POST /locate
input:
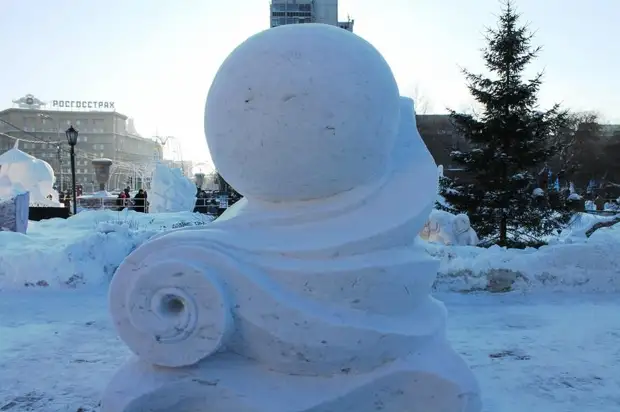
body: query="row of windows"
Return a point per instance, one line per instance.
(282, 21)
(291, 7)
(42, 145)
(53, 129)
(291, 14)
(67, 172)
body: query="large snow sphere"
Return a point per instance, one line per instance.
(302, 112)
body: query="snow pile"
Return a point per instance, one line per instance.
(578, 226)
(171, 191)
(84, 249)
(87, 248)
(20, 172)
(592, 265)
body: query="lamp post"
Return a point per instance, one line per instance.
(72, 137)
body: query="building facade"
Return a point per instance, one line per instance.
(102, 134)
(284, 12)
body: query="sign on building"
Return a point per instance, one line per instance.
(83, 104)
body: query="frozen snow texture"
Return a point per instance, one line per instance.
(311, 304)
(171, 191)
(448, 229)
(277, 109)
(576, 263)
(20, 172)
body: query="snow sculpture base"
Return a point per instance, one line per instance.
(298, 298)
(231, 383)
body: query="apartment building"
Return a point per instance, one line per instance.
(102, 134)
(306, 11)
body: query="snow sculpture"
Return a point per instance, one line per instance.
(22, 172)
(448, 229)
(171, 191)
(297, 298)
(14, 213)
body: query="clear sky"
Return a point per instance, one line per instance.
(156, 58)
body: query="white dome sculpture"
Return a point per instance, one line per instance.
(290, 126)
(23, 171)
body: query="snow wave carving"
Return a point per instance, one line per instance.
(297, 299)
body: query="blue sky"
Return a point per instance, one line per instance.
(156, 58)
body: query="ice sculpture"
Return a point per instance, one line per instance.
(298, 298)
(24, 173)
(171, 191)
(448, 229)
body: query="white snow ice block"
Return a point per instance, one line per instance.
(298, 298)
(171, 191)
(14, 213)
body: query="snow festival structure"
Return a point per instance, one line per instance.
(297, 298)
(20, 172)
(171, 191)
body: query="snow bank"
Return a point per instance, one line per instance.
(87, 248)
(592, 265)
(579, 225)
(84, 249)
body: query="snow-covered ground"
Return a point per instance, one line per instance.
(552, 353)
(551, 345)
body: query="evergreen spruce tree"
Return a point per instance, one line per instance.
(510, 140)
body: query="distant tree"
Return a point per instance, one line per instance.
(611, 160)
(580, 152)
(509, 139)
(421, 102)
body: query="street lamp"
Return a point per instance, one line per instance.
(72, 137)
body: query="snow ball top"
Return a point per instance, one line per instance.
(302, 112)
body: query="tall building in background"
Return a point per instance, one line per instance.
(307, 11)
(104, 133)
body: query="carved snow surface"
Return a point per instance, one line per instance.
(297, 300)
(20, 172)
(171, 191)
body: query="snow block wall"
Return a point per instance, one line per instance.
(299, 299)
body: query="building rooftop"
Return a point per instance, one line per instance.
(52, 112)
